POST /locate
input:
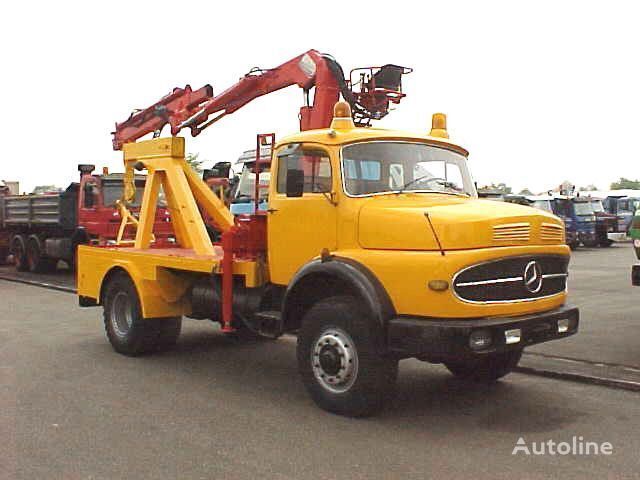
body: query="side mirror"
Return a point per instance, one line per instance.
(295, 183)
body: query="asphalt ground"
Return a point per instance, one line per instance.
(219, 408)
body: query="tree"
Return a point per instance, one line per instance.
(625, 183)
(589, 188)
(525, 191)
(192, 160)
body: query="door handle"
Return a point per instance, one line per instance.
(272, 210)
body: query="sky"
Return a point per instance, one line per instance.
(538, 92)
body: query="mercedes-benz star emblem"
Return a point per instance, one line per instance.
(532, 277)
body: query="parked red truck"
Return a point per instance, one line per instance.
(42, 229)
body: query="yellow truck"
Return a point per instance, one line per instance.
(374, 248)
(377, 249)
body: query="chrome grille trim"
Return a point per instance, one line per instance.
(553, 262)
(490, 282)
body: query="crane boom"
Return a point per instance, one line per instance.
(187, 108)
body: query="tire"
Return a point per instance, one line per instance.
(606, 243)
(19, 250)
(36, 260)
(485, 369)
(337, 330)
(4, 253)
(128, 332)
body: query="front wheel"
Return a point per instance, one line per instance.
(488, 368)
(338, 360)
(128, 332)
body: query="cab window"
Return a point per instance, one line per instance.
(314, 163)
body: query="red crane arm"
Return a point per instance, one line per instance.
(306, 71)
(186, 108)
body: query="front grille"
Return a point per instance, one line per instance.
(511, 232)
(551, 233)
(509, 279)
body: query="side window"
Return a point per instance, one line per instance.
(314, 163)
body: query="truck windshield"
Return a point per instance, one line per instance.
(626, 205)
(387, 167)
(597, 206)
(542, 205)
(112, 191)
(583, 208)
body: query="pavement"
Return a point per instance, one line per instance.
(219, 408)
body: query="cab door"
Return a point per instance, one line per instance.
(300, 227)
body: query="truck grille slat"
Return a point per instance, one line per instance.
(512, 232)
(551, 233)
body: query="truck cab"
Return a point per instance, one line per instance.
(579, 219)
(97, 213)
(623, 205)
(606, 223)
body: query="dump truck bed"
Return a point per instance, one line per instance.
(55, 210)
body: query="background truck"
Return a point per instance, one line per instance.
(374, 247)
(606, 223)
(5, 237)
(623, 205)
(579, 220)
(45, 228)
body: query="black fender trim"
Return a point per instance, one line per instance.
(360, 280)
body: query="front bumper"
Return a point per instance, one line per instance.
(439, 339)
(617, 236)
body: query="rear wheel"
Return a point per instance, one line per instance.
(37, 261)
(128, 332)
(487, 368)
(606, 243)
(338, 359)
(19, 250)
(4, 253)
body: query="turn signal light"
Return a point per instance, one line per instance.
(438, 285)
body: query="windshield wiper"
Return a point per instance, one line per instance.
(444, 183)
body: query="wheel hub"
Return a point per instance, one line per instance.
(334, 360)
(121, 315)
